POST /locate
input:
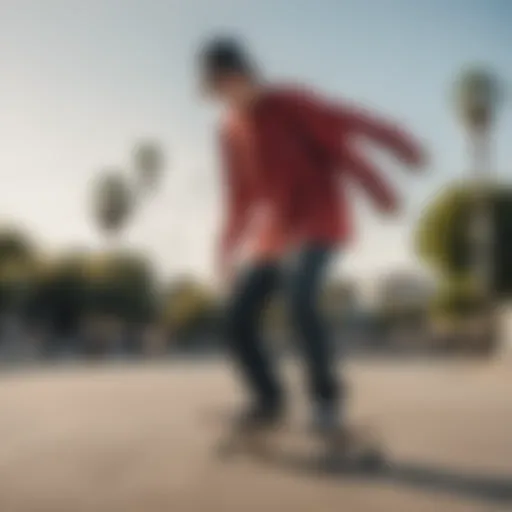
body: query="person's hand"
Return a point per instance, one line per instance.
(416, 159)
(391, 209)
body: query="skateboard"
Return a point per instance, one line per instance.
(352, 450)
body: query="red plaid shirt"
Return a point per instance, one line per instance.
(293, 153)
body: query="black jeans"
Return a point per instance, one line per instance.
(301, 279)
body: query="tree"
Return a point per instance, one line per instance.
(149, 163)
(122, 285)
(443, 238)
(60, 294)
(15, 245)
(116, 195)
(444, 241)
(188, 309)
(18, 259)
(113, 202)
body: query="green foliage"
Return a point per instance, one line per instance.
(60, 293)
(14, 245)
(436, 228)
(17, 264)
(79, 285)
(457, 299)
(122, 285)
(187, 307)
(149, 163)
(113, 201)
(443, 234)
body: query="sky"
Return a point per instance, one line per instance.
(80, 82)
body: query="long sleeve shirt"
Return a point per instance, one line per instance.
(292, 154)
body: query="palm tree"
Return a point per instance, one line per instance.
(148, 166)
(125, 290)
(113, 203)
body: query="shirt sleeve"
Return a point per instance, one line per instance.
(235, 201)
(370, 178)
(389, 135)
(329, 122)
(334, 127)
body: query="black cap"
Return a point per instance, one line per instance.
(223, 55)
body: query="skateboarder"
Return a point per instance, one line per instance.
(288, 154)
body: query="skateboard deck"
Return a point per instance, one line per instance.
(288, 444)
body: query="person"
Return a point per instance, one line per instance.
(288, 154)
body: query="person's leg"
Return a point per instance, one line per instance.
(305, 278)
(251, 292)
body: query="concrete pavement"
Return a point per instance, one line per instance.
(139, 439)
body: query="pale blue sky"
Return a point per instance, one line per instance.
(81, 80)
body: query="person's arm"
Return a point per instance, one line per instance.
(370, 178)
(335, 127)
(389, 135)
(330, 121)
(235, 203)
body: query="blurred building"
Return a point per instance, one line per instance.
(340, 298)
(404, 290)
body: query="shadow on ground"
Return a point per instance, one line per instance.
(489, 488)
(496, 489)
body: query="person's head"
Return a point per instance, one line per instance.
(228, 74)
